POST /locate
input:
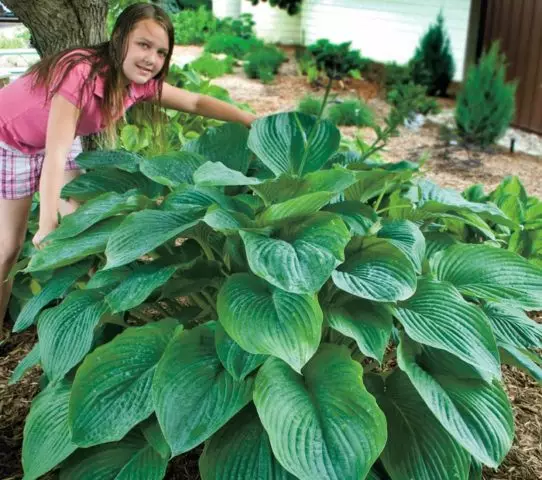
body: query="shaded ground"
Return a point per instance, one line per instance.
(448, 165)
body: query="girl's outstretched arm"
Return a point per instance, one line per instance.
(179, 99)
(61, 127)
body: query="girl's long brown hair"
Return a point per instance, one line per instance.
(106, 59)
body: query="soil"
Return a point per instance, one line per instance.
(448, 165)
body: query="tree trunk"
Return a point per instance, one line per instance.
(59, 24)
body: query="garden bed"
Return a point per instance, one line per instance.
(448, 165)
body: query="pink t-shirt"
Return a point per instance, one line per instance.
(24, 111)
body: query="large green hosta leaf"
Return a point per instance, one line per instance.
(47, 439)
(226, 144)
(372, 183)
(142, 232)
(241, 450)
(62, 280)
(112, 390)
(490, 273)
(120, 159)
(324, 423)
(379, 272)
(281, 142)
(303, 256)
(418, 446)
(477, 414)
(236, 361)
(31, 359)
(142, 281)
(438, 316)
(147, 464)
(408, 238)
(66, 332)
(368, 323)
(434, 198)
(102, 207)
(97, 182)
(287, 187)
(71, 250)
(523, 359)
(193, 395)
(191, 196)
(512, 326)
(104, 462)
(358, 217)
(215, 174)
(267, 320)
(172, 169)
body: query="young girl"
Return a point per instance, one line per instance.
(80, 92)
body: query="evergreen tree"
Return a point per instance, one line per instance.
(433, 64)
(486, 103)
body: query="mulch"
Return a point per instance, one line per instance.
(448, 165)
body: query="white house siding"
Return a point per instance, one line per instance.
(273, 24)
(226, 8)
(386, 30)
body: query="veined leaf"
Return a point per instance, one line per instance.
(31, 359)
(138, 286)
(266, 320)
(112, 390)
(172, 169)
(477, 414)
(438, 316)
(216, 174)
(490, 273)
(287, 187)
(193, 395)
(147, 464)
(523, 359)
(408, 238)
(418, 446)
(296, 207)
(226, 143)
(142, 232)
(121, 159)
(47, 439)
(236, 361)
(368, 323)
(71, 250)
(358, 217)
(303, 256)
(97, 182)
(66, 332)
(98, 209)
(59, 284)
(379, 272)
(512, 326)
(324, 423)
(281, 142)
(241, 450)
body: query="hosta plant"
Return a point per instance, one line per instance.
(298, 311)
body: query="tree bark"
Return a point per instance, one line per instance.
(59, 24)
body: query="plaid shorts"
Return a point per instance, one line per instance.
(20, 172)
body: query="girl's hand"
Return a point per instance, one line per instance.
(43, 231)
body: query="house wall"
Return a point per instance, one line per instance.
(386, 30)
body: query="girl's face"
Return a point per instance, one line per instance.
(147, 52)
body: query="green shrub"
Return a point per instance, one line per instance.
(310, 105)
(194, 27)
(486, 102)
(290, 6)
(433, 62)
(212, 67)
(264, 62)
(231, 45)
(410, 98)
(350, 112)
(242, 27)
(396, 74)
(337, 61)
(306, 301)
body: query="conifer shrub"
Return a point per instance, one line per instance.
(433, 63)
(486, 103)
